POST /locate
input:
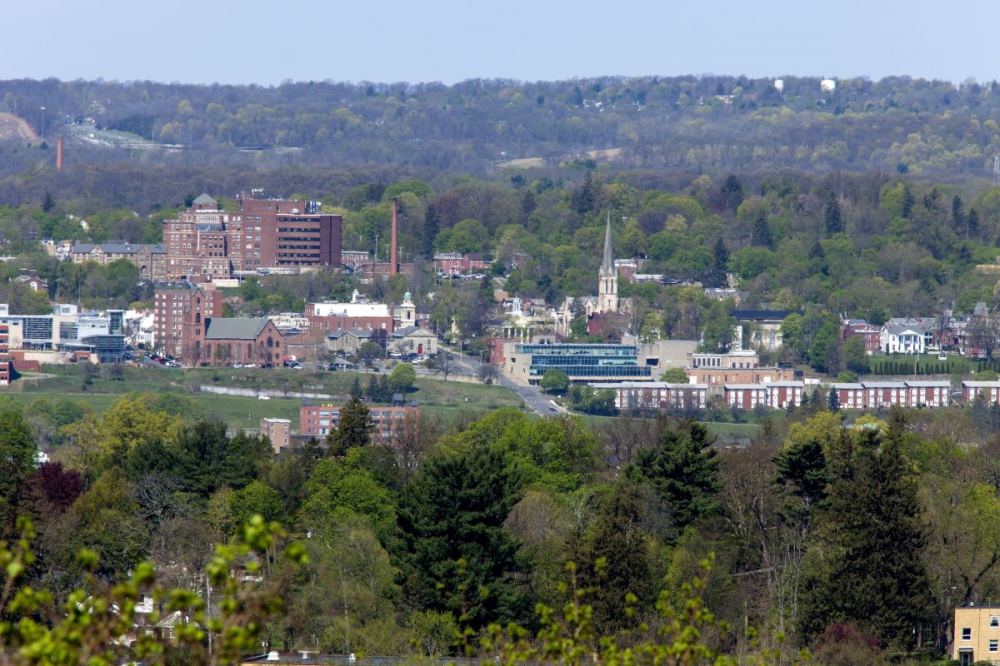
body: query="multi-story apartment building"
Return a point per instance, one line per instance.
(180, 311)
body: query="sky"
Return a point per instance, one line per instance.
(388, 41)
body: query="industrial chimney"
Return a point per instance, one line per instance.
(393, 258)
(59, 154)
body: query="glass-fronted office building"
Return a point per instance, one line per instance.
(592, 362)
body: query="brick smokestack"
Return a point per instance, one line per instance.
(393, 258)
(59, 154)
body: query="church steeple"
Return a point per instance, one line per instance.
(607, 277)
(608, 263)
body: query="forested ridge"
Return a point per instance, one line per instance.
(701, 123)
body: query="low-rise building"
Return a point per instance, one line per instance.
(526, 363)
(413, 340)
(320, 419)
(279, 431)
(656, 396)
(977, 634)
(230, 341)
(988, 392)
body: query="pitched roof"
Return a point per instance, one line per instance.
(204, 199)
(218, 328)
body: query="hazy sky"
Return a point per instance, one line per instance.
(266, 42)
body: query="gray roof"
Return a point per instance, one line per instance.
(117, 248)
(205, 199)
(217, 328)
(407, 330)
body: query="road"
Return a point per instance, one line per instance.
(532, 396)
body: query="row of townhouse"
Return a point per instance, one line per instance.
(875, 395)
(772, 395)
(653, 396)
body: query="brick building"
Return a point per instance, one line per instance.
(206, 243)
(179, 313)
(151, 260)
(319, 419)
(327, 317)
(231, 341)
(655, 396)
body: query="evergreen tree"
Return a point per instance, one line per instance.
(908, 201)
(958, 216)
(355, 428)
(720, 264)
(372, 392)
(831, 215)
(732, 192)
(454, 552)
(356, 389)
(833, 401)
(802, 473)
(619, 540)
(584, 199)
(684, 471)
(762, 232)
(972, 222)
(872, 572)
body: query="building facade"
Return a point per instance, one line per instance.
(279, 431)
(151, 260)
(230, 341)
(527, 363)
(977, 635)
(656, 396)
(320, 419)
(206, 243)
(180, 311)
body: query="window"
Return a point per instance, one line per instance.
(994, 645)
(966, 633)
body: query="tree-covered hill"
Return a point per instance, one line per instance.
(689, 123)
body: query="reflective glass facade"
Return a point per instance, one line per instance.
(585, 360)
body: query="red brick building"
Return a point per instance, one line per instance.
(205, 242)
(318, 420)
(232, 341)
(326, 317)
(180, 311)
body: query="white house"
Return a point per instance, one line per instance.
(904, 336)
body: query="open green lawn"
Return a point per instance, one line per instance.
(446, 400)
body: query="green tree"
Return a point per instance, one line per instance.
(718, 328)
(855, 355)
(554, 381)
(872, 572)
(683, 469)
(403, 378)
(355, 428)
(455, 552)
(613, 559)
(675, 376)
(803, 479)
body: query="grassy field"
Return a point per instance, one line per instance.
(445, 400)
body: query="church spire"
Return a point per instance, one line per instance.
(608, 264)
